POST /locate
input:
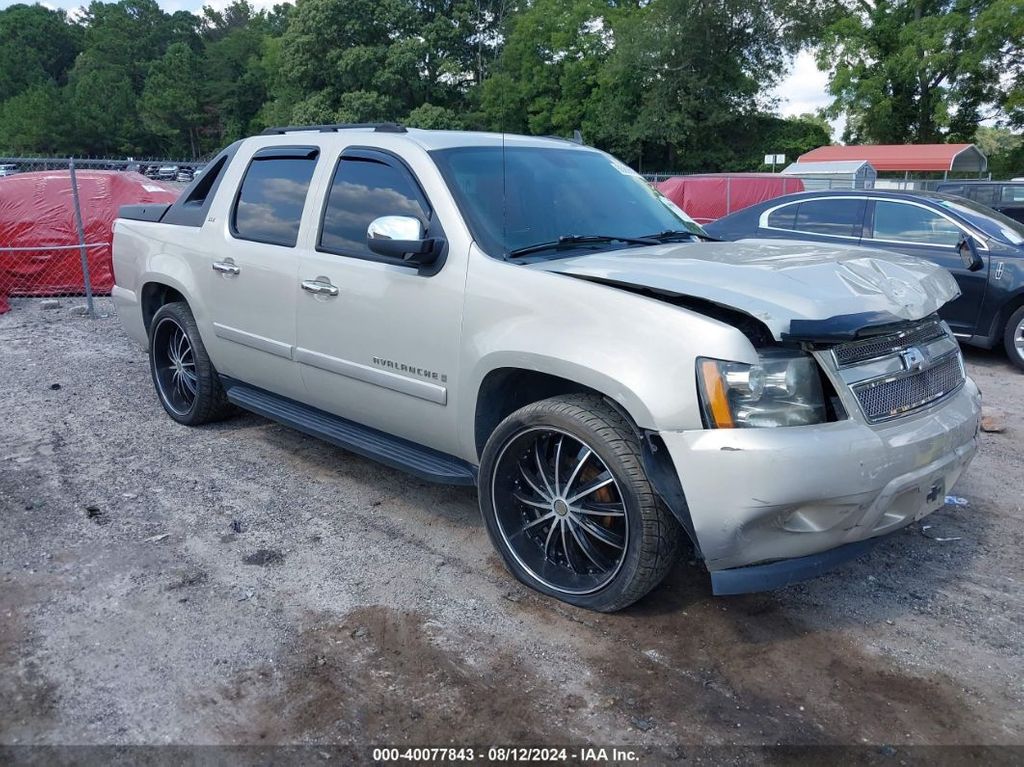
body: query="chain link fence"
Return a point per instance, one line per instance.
(55, 219)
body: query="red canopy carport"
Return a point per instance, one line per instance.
(906, 158)
(36, 211)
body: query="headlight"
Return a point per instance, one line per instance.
(782, 389)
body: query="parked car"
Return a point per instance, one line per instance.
(8, 169)
(528, 316)
(167, 172)
(185, 175)
(982, 249)
(1007, 197)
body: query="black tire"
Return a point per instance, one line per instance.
(1013, 338)
(186, 382)
(605, 443)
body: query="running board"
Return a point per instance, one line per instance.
(423, 462)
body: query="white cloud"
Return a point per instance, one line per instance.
(805, 89)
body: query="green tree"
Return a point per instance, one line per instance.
(103, 116)
(922, 71)
(1004, 149)
(1001, 24)
(235, 82)
(684, 79)
(791, 136)
(170, 102)
(37, 45)
(373, 59)
(33, 121)
(131, 34)
(433, 117)
(549, 67)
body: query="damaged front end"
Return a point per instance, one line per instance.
(772, 506)
(853, 419)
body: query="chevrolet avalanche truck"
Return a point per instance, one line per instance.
(528, 316)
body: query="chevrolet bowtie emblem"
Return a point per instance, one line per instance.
(913, 358)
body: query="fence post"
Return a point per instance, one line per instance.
(81, 239)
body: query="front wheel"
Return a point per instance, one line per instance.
(1013, 338)
(567, 504)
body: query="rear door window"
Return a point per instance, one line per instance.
(784, 217)
(838, 217)
(986, 194)
(273, 195)
(1013, 193)
(902, 222)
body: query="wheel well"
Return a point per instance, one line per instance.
(155, 295)
(1005, 313)
(505, 390)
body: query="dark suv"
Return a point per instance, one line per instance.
(982, 249)
(1005, 196)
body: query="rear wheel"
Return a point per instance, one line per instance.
(568, 505)
(186, 382)
(1013, 338)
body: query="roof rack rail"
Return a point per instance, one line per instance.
(377, 127)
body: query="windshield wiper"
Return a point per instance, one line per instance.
(673, 235)
(569, 240)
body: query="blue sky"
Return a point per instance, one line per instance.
(802, 90)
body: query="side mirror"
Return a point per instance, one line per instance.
(402, 237)
(968, 251)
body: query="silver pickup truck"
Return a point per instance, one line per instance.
(528, 316)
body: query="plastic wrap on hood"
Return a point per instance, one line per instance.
(36, 210)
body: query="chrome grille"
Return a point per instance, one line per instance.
(880, 346)
(890, 397)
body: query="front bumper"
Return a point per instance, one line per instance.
(762, 495)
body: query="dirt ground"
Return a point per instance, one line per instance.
(246, 584)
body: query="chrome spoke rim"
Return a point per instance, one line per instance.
(560, 510)
(174, 368)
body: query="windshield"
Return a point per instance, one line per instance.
(990, 222)
(547, 193)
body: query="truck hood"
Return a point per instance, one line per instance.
(797, 289)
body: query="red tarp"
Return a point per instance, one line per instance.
(707, 198)
(36, 210)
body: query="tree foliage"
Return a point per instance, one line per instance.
(664, 84)
(923, 71)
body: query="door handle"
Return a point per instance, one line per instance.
(319, 288)
(225, 267)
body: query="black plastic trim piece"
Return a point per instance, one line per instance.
(418, 460)
(286, 153)
(332, 128)
(153, 211)
(843, 327)
(776, 575)
(665, 480)
(187, 212)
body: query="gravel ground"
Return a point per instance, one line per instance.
(244, 583)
